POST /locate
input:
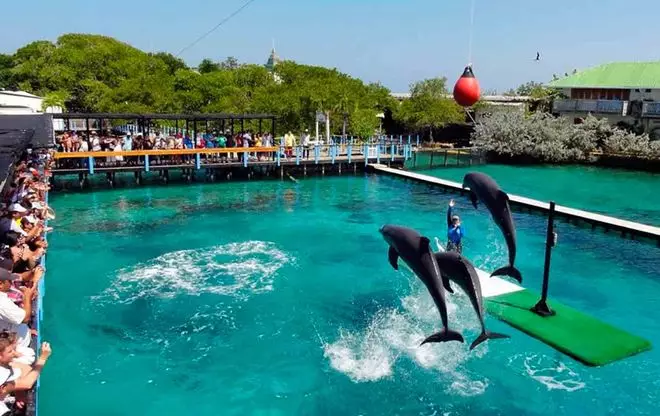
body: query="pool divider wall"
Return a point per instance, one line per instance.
(625, 229)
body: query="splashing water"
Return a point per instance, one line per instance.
(370, 355)
(235, 269)
(550, 372)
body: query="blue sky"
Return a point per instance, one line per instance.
(394, 42)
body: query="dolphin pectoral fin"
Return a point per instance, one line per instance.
(508, 271)
(393, 257)
(445, 335)
(474, 199)
(445, 283)
(486, 335)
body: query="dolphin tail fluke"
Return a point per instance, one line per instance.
(444, 336)
(486, 335)
(508, 271)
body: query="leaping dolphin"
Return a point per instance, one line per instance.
(415, 250)
(485, 189)
(460, 270)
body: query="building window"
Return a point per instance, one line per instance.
(647, 90)
(637, 90)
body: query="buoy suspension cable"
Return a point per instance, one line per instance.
(471, 29)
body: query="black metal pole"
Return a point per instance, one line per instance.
(542, 308)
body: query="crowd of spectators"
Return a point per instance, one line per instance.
(24, 213)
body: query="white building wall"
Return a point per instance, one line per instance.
(17, 99)
(645, 94)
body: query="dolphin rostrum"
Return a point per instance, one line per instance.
(415, 250)
(483, 188)
(460, 270)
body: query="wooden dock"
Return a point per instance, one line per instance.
(230, 162)
(630, 229)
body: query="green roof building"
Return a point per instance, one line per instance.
(624, 92)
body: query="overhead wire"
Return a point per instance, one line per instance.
(471, 28)
(225, 20)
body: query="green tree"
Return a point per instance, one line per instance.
(230, 63)
(207, 66)
(173, 63)
(6, 76)
(55, 99)
(429, 106)
(363, 123)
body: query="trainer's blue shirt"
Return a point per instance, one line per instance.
(454, 234)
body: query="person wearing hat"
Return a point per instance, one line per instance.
(11, 221)
(455, 231)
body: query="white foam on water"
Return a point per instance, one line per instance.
(371, 354)
(236, 269)
(549, 371)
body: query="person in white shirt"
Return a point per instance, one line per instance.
(13, 318)
(95, 142)
(10, 221)
(305, 144)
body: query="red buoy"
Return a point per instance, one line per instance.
(466, 90)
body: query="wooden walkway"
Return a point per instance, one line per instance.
(626, 228)
(220, 158)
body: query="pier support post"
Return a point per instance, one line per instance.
(90, 161)
(146, 163)
(305, 169)
(281, 172)
(340, 168)
(542, 308)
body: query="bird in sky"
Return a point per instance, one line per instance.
(538, 56)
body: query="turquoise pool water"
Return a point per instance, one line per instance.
(631, 195)
(276, 298)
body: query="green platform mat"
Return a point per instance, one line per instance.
(580, 336)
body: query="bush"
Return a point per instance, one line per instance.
(548, 139)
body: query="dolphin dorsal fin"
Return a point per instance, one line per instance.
(424, 244)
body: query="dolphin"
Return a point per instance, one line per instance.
(415, 250)
(483, 188)
(460, 270)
